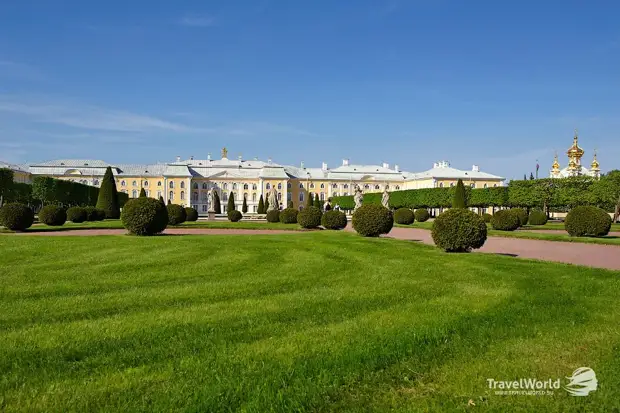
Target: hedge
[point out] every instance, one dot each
(273, 216)
(176, 214)
(459, 230)
(309, 217)
(537, 217)
(587, 221)
(421, 215)
(522, 215)
(505, 220)
(53, 215)
(191, 215)
(404, 216)
(289, 216)
(234, 215)
(77, 214)
(334, 220)
(16, 217)
(372, 220)
(144, 216)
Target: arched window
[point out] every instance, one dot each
(182, 184)
(279, 196)
(376, 186)
(485, 185)
(345, 186)
(301, 197)
(334, 186)
(322, 197)
(158, 183)
(473, 185)
(224, 185)
(134, 183)
(182, 195)
(366, 186)
(246, 187)
(195, 196)
(322, 186)
(146, 183)
(289, 196)
(311, 185)
(234, 186)
(441, 184)
(494, 185)
(134, 194)
(279, 186)
(171, 195)
(122, 183)
(301, 207)
(195, 186)
(225, 196)
(301, 185)
(254, 197)
(288, 185)
(171, 184)
(254, 187)
(397, 187)
(335, 194)
(268, 186)
(204, 185)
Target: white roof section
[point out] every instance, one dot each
(443, 170)
(13, 167)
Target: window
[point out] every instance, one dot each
(311, 186)
(134, 183)
(225, 196)
(96, 182)
(234, 186)
(254, 187)
(473, 185)
(171, 185)
(171, 195)
(148, 193)
(289, 196)
(204, 208)
(279, 186)
(134, 194)
(279, 196)
(441, 184)
(322, 197)
(451, 184)
(494, 185)
(397, 187)
(301, 185)
(334, 186)
(146, 183)
(182, 195)
(485, 185)
(335, 194)
(255, 208)
(195, 196)
(366, 186)
(268, 186)
(204, 185)
(195, 186)
(376, 186)
(288, 185)
(158, 183)
(301, 197)
(122, 183)
(301, 207)
(182, 184)
(345, 186)
(158, 194)
(224, 209)
(254, 197)
(224, 185)
(322, 186)
(246, 187)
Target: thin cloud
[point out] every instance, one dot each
(197, 21)
(9, 68)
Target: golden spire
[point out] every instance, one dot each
(224, 153)
(595, 165)
(575, 152)
(556, 164)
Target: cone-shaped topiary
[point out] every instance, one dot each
(234, 215)
(289, 216)
(169, 203)
(16, 217)
(421, 215)
(459, 230)
(404, 216)
(372, 220)
(309, 218)
(231, 202)
(267, 206)
(176, 214)
(77, 214)
(191, 214)
(161, 199)
(142, 193)
(317, 202)
(537, 217)
(108, 197)
(53, 215)
(309, 200)
(521, 215)
(217, 207)
(505, 220)
(144, 216)
(334, 220)
(273, 216)
(261, 206)
(587, 221)
(459, 200)
(289, 204)
(244, 207)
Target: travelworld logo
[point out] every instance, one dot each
(581, 383)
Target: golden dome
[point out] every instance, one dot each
(572, 163)
(595, 165)
(575, 151)
(556, 164)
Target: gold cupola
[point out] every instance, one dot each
(575, 152)
(594, 166)
(556, 165)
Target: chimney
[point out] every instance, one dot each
(191, 158)
(178, 159)
(396, 168)
(240, 158)
(324, 166)
(475, 168)
(386, 165)
(345, 162)
(269, 161)
(302, 165)
(209, 156)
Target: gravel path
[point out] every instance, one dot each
(169, 231)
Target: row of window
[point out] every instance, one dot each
(473, 185)
(146, 183)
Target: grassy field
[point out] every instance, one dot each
(323, 321)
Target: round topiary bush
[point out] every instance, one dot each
(144, 216)
(91, 213)
(100, 214)
(521, 214)
(587, 221)
(372, 220)
(404, 216)
(176, 214)
(310, 217)
(537, 217)
(273, 216)
(334, 220)
(487, 217)
(191, 214)
(289, 216)
(459, 230)
(16, 217)
(234, 216)
(53, 215)
(77, 214)
(505, 220)
(421, 215)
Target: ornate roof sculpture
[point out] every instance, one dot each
(574, 168)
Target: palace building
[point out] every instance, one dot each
(574, 168)
(188, 182)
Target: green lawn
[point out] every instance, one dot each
(322, 321)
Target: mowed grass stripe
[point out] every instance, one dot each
(297, 322)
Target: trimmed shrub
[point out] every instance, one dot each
(144, 216)
(176, 214)
(505, 220)
(537, 217)
(231, 202)
(587, 221)
(459, 230)
(142, 193)
(261, 206)
(16, 217)
(372, 220)
(53, 215)
(421, 215)
(310, 217)
(404, 216)
(77, 214)
(487, 217)
(289, 216)
(460, 198)
(100, 214)
(244, 206)
(108, 197)
(191, 214)
(234, 215)
(273, 216)
(91, 213)
(334, 220)
(521, 214)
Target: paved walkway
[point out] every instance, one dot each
(591, 255)
(169, 231)
(561, 232)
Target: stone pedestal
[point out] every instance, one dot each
(211, 216)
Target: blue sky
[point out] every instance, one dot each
(409, 82)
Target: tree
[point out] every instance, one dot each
(169, 202)
(161, 199)
(142, 193)
(244, 207)
(289, 204)
(317, 202)
(266, 206)
(531, 176)
(6, 183)
(261, 206)
(231, 202)
(459, 200)
(108, 197)
(309, 201)
(524, 177)
(216, 204)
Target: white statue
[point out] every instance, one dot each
(358, 197)
(273, 200)
(385, 198)
(211, 200)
